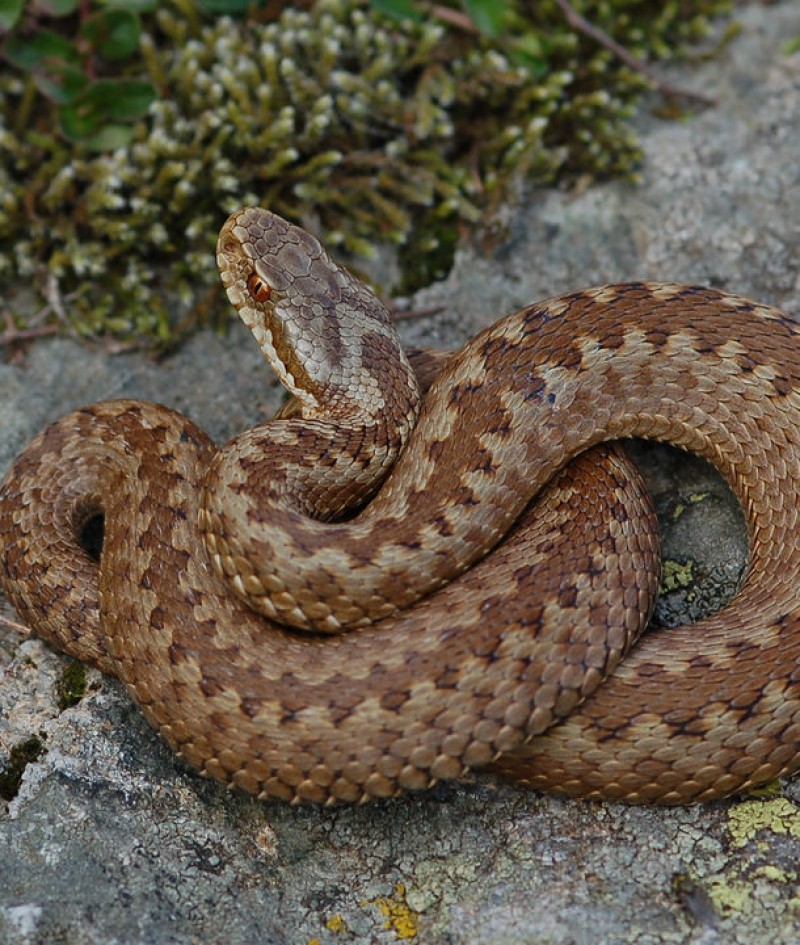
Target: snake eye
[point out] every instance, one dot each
(258, 289)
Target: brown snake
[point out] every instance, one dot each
(487, 650)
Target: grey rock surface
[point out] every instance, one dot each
(109, 839)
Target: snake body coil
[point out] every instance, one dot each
(455, 622)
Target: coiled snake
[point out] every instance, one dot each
(429, 642)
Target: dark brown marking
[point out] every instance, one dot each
(782, 385)
(568, 596)
(534, 388)
(460, 391)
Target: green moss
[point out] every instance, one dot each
(368, 130)
(19, 758)
(72, 687)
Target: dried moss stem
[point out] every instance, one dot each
(577, 22)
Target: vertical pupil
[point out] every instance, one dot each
(258, 289)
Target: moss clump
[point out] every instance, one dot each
(19, 758)
(366, 129)
(72, 687)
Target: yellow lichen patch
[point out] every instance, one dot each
(675, 575)
(749, 818)
(336, 924)
(731, 895)
(692, 499)
(776, 875)
(696, 497)
(398, 914)
(727, 895)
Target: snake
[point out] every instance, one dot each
(429, 564)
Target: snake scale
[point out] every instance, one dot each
(483, 609)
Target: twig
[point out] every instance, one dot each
(408, 314)
(577, 22)
(19, 627)
(13, 335)
(454, 17)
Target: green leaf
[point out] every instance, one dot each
(10, 11)
(135, 6)
(106, 103)
(226, 7)
(78, 123)
(529, 51)
(53, 63)
(488, 15)
(398, 9)
(61, 83)
(124, 99)
(90, 129)
(57, 7)
(109, 138)
(43, 47)
(79, 120)
(112, 33)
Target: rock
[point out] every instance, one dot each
(107, 838)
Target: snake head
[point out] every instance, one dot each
(329, 338)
